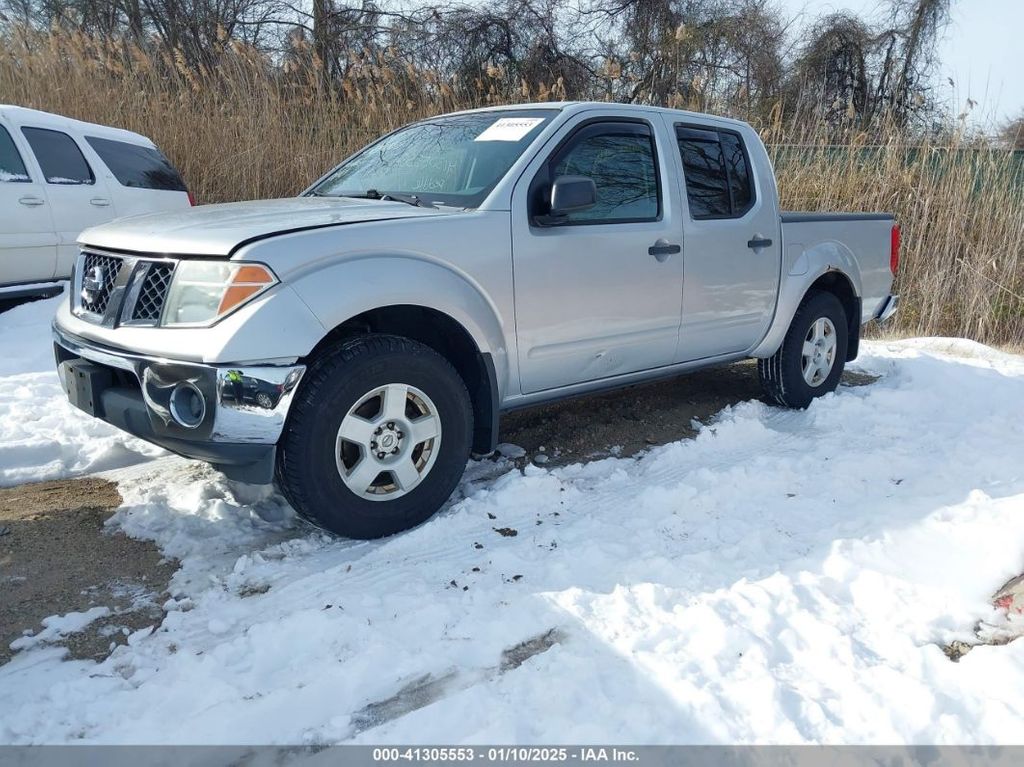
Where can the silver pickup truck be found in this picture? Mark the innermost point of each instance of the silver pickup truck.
(358, 343)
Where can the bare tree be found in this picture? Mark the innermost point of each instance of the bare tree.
(714, 55)
(1012, 132)
(859, 74)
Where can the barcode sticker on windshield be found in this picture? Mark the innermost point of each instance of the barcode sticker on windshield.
(509, 129)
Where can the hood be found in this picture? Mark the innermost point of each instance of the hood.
(217, 230)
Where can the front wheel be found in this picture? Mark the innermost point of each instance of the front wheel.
(811, 359)
(377, 438)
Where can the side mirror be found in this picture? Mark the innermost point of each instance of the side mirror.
(569, 194)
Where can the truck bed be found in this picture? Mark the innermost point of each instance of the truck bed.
(858, 244)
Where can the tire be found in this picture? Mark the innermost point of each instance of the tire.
(783, 374)
(318, 466)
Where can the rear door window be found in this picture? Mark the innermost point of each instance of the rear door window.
(739, 173)
(137, 166)
(12, 167)
(59, 157)
(717, 172)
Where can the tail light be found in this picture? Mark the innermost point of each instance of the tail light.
(894, 249)
(191, 199)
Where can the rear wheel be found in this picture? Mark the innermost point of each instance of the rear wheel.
(811, 359)
(377, 439)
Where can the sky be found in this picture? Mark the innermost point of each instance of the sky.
(980, 52)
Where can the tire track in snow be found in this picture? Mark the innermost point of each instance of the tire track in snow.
(429, 688)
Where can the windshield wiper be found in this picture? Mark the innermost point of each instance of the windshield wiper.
(408, 199)
(373, 194)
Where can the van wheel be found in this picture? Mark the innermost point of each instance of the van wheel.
(811, 359)
(377, 437)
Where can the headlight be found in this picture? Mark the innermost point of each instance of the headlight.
(203, 292)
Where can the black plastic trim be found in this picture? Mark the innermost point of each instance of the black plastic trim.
(799, 217)
(487, 407)
(853, 334)
(124, 408)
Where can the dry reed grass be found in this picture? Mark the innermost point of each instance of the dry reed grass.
(250, 130)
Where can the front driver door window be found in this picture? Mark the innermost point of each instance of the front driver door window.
(620, 161)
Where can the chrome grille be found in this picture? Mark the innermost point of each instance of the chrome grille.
(153, 292)
(97, 280)
(112, 289)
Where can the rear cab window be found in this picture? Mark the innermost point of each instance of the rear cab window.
(137, 166)
(59, 157)
(716, 168)
(12, 167)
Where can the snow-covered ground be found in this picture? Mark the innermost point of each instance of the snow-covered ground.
(785, 577)
(41, 435)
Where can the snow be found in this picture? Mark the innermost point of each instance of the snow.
(508, 450)
(784, 577)
(8, 176)
(57, 626)
(41, 435)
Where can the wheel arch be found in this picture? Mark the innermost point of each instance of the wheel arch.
(796, 289)
(449, 338)
(427, 300)
(839, 284)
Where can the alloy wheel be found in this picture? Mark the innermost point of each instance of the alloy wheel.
(388, 442)
(819, 351)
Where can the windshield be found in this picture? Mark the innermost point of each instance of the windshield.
(454, 160)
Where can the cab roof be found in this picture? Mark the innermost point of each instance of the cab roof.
(573, 107)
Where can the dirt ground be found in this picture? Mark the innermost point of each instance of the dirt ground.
(627, 421)
(56, 555)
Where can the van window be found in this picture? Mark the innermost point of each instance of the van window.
(717, 172)
(137, 166)
(12, 167)
(59, 157)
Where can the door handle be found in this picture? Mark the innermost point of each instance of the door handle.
(758, 242)
(662, 249)
(31, 201)
(100, 202)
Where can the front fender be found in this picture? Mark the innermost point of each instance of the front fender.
(359, 283)
(806, 266)
(274, 327)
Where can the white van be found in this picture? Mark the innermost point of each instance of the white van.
(59, 176)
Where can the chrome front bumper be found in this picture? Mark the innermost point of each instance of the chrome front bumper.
(243, 412)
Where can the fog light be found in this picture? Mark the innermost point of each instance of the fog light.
(188, 405)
